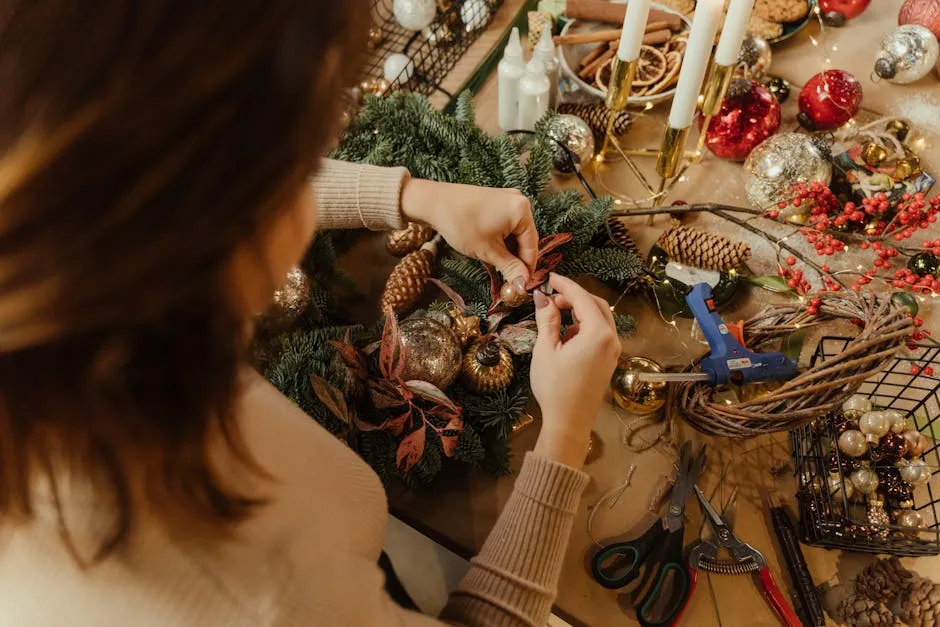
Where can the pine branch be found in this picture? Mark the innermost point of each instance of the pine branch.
(626, 325)
(607, 264)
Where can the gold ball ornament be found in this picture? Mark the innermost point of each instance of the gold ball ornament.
(638, 397)
(914, 471)
(289, 301)
(466, 327)
(836, 487)
(899, 128)
(511, 295)
(487, 366)
(856, 407)
(916, 443)
(908, 167)
(910, 519)
(897, 420)
(873, 154)
(376, 37)
(865, 480)
(874, 425)
(432, 352)
(853, 443)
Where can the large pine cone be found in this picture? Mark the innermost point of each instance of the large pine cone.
(409, 239)
(921, 604)
(615, 233)
(882, 580)
(702, 249)
(597, 117)
(862, 612)
(407, 281)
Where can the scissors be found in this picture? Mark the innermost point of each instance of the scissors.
(660, 550)
(744, 559)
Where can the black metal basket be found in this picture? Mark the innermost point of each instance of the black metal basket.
(837, 522)
(433, 51)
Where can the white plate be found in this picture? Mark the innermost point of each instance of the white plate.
(570, 56)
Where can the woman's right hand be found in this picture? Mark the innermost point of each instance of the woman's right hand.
(571, 374)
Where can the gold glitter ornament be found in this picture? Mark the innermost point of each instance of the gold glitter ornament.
(637, 397)
(487, 366)
(908, 168)
(288, 302)
(376, 37)
(910, 519)
(467, 328)
(916, 443)
(899, 128)
(432, 352)
(873, 154)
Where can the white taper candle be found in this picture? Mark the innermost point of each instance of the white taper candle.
(733, 32)
(695, 63)
(634, 27)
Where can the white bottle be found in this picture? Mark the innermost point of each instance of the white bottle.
(545, 52)
(511, 69)
(533, 95)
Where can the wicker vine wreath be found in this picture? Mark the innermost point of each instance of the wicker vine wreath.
(885, 328)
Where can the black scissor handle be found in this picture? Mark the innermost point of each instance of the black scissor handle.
(663, 605)
(615, 566)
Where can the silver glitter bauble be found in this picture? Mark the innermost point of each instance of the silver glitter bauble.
(575, 134)
(897, 420)
(853, 443)
(755, 57)
(475, 14)
(865, 480)
(288, 302)
(414, 14)
(780, 162)
(907, 54)
(432, 352)
(914, 471)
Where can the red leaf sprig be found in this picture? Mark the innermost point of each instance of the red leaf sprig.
(548, 258)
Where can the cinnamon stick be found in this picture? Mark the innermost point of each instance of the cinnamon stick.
(594, 54)
(658, 37)
(589, 71)
(612, 13)
(603, 35)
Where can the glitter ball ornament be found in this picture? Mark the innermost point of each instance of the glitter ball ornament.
(889, 448)
(575, 134)
(895, 488)
(414, 14)
(853, 443)
(874, 154)
(842, 423)
(923, 264)
(511, 295)
(638, 397)
(487, 366)
(897, 420)
(749, 115)
(376, 37)
(780, 162)
(830, 99)
(755, 56)
(848, 9)
(922, 12)
(474, 14)
(398, 67)
(914, 471)
(842, 463)
(874, 424)
(865, 480)
(907, 54)
(288, 302)
(779, 87)
(856, 407)
(876, 513)
(910, 519)
(432, 352)
(917, 443)
(836, 487)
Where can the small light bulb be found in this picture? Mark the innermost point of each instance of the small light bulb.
(649, 105)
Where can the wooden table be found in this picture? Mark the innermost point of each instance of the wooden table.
(462, 511)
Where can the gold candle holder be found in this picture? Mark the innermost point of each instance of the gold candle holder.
(716, 88)
(670, 156)
(618, 95)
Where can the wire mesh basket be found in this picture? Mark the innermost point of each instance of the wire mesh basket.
(434, 50)
(827, 517)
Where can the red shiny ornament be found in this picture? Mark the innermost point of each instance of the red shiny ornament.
(830, 99)
(923, 12)
(849, 9)
(749, 115)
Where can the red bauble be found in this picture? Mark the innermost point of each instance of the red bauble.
(749, 115)
(849, 9)
(923, 12)
(830, 99)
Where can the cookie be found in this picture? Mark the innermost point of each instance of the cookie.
(762, 28)
(685, 7)
(781, 11)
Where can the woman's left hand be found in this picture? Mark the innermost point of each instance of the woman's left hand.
(492, 225)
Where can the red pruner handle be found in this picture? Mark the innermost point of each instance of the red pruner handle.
(777, 600)
(693, 579)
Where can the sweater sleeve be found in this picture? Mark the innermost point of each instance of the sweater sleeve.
(355, 196)
(514, 579)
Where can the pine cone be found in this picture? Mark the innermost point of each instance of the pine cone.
(409, 239)
(408, 279)
(702, 249)
(882, 580)
(614, 234)
(861, 612)
(921, 604)
(597, 117)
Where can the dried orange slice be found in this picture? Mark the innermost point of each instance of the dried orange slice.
(651, 67)
(670, 76)
(602, 77)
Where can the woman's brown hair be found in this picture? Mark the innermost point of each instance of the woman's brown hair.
(141, 145)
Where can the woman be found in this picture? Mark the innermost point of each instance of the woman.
(153, 190)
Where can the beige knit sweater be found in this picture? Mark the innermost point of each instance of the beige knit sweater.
(310, 557)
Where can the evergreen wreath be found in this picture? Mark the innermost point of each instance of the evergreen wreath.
(314, 363)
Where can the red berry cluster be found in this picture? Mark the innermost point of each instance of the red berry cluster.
(795, 279)
(905, 278)
(932, 246)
